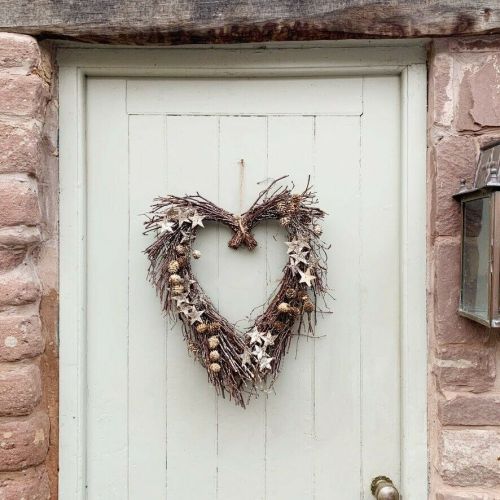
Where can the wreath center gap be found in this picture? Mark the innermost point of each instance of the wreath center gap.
(239, 364)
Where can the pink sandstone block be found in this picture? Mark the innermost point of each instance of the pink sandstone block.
(18, 287)
(466, 367)
(20, 236)
(18, 201)
(20, 337)
(479, 103)
(470, 409)
(18, 53)
(23, 96)
(19, 147)
(30, 484)
(470, 458)
(24, 441)
(20, 389)
(10, 258)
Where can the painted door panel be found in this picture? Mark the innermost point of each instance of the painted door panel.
(155, 428)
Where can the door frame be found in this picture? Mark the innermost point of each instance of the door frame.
(408, 60)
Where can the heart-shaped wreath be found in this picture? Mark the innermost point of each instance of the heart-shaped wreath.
(239, 363)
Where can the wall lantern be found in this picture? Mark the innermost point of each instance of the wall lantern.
(480, 268)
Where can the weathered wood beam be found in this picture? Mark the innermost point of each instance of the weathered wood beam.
(226, 21)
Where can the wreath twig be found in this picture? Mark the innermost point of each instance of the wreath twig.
(239, 363)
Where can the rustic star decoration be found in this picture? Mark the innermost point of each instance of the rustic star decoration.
(255, 336)
(269, 339)
(246, 357)
(166, 226)
(265, 363)
(295, 246)
(195, 316)
(306, 277)
(297, 258)
(183, 217)
(258, 351)
(181, 299)
(196, 220)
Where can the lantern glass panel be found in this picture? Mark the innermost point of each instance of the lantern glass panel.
(476, 257)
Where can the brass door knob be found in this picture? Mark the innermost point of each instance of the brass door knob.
(383, 489)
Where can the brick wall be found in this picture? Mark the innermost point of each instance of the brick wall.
(464, 389)
(28, 271)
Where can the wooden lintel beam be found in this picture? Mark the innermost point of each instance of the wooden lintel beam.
(232, 21)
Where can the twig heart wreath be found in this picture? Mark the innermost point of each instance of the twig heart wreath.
(239, 363)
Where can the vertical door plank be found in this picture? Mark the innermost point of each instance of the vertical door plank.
(290, 412)
(147, 326)
(107, 289)
(380, 271)
(242, 287)
(192, 164)
(337, 363)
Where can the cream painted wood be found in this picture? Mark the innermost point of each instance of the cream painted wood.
(146, 353)
(338, 403)
(344, 408)
(191, 420)
(379, 268)
(108, 282)
(290, 419)
(241, 438)
(283, 96)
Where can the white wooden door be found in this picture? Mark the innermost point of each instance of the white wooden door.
(154, 426)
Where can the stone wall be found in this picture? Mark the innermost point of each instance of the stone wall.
(464, 389)
(28, 270)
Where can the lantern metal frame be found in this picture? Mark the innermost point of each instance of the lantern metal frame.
(486, 186)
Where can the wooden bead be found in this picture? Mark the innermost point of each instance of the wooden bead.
(180, 249)
(284, 307)
(175, 279)
(215, 367)
(308, 306)
(173, 266)
(214, 327)
(202, 328)
(213, 342)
